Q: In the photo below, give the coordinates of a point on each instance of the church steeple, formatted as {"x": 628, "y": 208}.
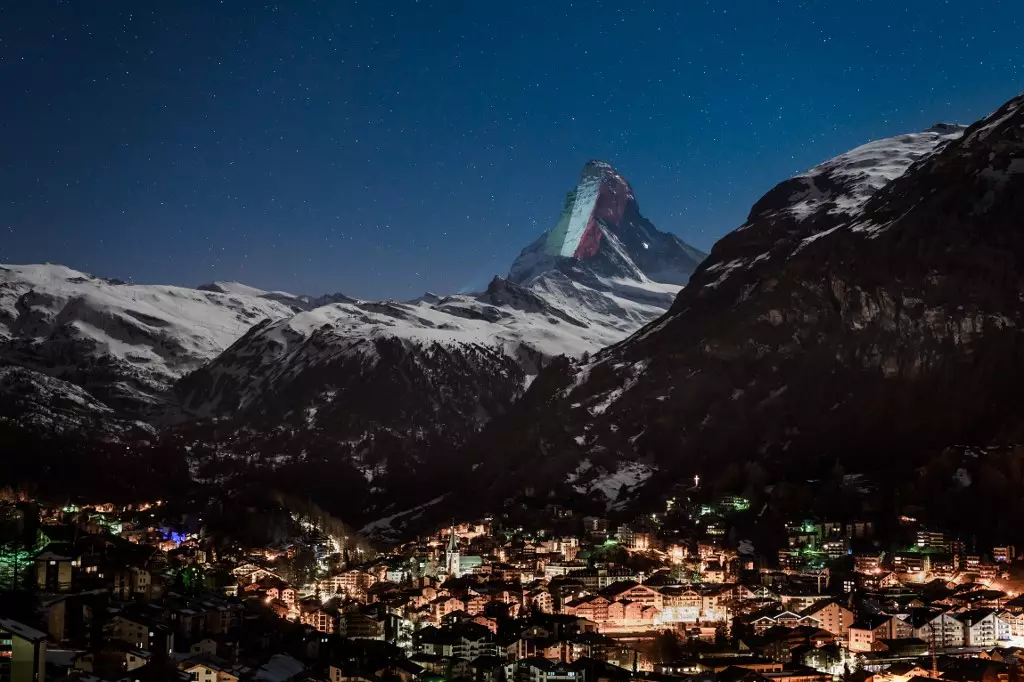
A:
{"x": 451, "y": 555}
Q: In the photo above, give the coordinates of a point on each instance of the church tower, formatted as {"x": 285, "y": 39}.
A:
{"x": 451, "y": 555}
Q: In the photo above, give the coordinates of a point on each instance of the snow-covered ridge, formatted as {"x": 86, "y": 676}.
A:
{"x": 842, "y": 185}
{"x": 304, "y": 302}
{"x": 121, "y": 342}
{"x": 531, "y": 325}
{"x": 242, "y": 289}
{"x": 817, "y": 203}
{"x": 165, "y": 329}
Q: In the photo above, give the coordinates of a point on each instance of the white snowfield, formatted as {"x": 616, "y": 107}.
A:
{"x": 555, "y": 316}
{"x": 840, "y": 187}
{"x": 629, "y": 475}
{"x": 243, "y": 290}
{"x": 863, "y": 171}
{"x": 163, "y": 331}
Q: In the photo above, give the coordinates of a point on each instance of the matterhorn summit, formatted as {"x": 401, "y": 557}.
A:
{"x": 602, "y": 236}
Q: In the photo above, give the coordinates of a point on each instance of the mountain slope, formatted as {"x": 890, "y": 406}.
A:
{"x": 301, "y": 302}
{"x": 868, "y": 309}
{"x": 123, "y": 344}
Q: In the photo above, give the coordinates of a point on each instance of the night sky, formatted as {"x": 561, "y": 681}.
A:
{"x": 387, "y": 147}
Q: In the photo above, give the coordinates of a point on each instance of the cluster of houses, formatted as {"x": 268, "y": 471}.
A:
{"x": 120, "y": 595}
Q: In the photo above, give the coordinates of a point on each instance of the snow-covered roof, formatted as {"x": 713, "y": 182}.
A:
{"x": 21, "y": 630}
{"x": 279, "y": 668}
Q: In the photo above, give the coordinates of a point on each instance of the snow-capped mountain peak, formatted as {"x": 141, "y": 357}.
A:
{"x": 601, "y": 234}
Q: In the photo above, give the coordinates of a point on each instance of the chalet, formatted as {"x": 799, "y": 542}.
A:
{"x": 442, "y": 606}
{"x": 628, "y": 615}
{"x": 143, "y": 632}
{"x": 361, "y": 625}
{"x": 798, "y": 598}
{"x": 251, "y": 573}
{"x": 868, "y": 562}
{"x": 114, "y": 658}
{"x": 1014, "y": 622}
{"x": 55, "y": 570}
{"x": 597, "y": 579}
{"x": 831, "y": 616}
{"x": 540, "y": 599}
{"x": 542, "y": 670}
{"x": 207, "y": 668}
{"x": 633, "y": 592}
{"x": 865, "y": 634}
{"x": 941, "y": 628}
{"x": 982, "y": 628}
{"x": 785, "y": 619}
{"x": 593, "y": 607}
{"x": 466, "y": 641}
{"x": 318, "y": 617}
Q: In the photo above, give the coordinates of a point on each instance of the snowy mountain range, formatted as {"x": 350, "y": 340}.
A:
{"x": 388, "y": 390}
{"x": 846, "y": 315}
{"x": 123, "y": 344}
{"x": 154, "y": 355}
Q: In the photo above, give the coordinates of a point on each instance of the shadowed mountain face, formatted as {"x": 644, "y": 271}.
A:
{"x": 869, "y": 309}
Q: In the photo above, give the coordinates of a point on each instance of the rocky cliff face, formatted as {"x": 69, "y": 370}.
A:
{"x": 868, "y": 309}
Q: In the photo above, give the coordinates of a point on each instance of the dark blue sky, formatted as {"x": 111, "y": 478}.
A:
{"x": 383, "y": 148}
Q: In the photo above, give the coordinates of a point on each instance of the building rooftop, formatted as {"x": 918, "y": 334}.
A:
{"x": 21, "y": 630}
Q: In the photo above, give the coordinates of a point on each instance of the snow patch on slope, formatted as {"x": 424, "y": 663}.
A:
{"x": 861, "y": 172}
{"x": 390, "y": 526}
{"x": 587, "y": 478}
